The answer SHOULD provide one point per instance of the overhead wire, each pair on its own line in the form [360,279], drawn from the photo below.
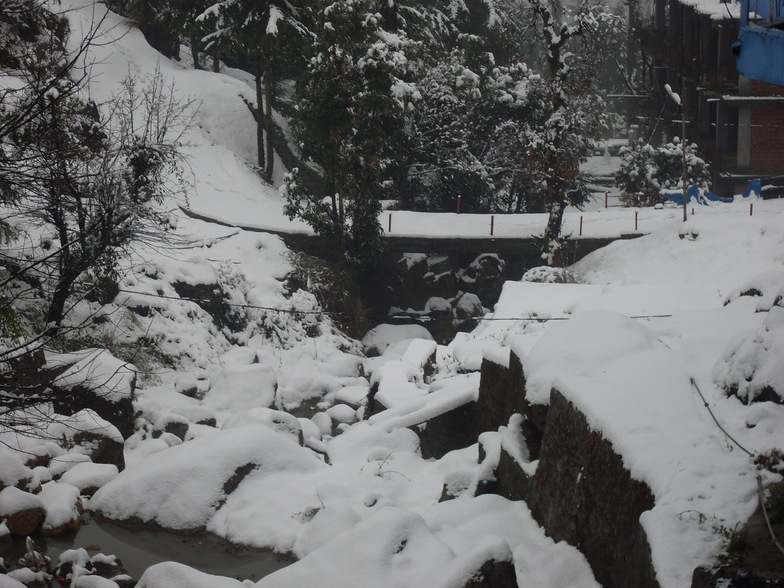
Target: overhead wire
[532,318]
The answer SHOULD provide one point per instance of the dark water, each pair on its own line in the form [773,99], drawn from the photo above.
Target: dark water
[139,549]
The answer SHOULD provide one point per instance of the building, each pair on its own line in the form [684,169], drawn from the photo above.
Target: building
[737,122]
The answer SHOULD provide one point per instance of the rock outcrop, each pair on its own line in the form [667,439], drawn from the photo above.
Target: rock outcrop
[581,492]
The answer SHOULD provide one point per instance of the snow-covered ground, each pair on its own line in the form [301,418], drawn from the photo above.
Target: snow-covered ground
[352,498]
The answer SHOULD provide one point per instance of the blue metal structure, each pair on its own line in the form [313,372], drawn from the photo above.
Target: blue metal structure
[760,45]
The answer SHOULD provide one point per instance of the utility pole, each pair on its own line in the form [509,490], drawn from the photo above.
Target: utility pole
[683,144]
[681,103]
[683,147]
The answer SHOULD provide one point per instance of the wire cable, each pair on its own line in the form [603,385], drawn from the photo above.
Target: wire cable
[531,318]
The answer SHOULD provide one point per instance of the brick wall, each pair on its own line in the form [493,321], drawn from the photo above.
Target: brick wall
[765,89]
[767,144]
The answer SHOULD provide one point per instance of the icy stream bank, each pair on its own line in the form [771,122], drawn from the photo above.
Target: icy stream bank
[139,549]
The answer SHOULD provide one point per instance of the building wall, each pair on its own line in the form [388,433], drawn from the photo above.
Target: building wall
[742,139]
[767,127]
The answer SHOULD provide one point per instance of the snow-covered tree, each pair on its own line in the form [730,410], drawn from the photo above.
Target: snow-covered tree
[92,180]
[647,170]
[350,121]
[468,131]
[255,29]
[570,42]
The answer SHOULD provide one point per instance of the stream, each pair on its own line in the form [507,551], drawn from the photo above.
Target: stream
[139,549]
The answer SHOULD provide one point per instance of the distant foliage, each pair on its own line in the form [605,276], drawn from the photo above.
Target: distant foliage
[550,275]
[646,169]
[470,130]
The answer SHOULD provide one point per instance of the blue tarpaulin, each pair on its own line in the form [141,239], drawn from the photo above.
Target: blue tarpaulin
[754,187]
[695,194]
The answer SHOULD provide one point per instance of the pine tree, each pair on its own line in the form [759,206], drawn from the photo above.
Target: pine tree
[350,122]
[254,29]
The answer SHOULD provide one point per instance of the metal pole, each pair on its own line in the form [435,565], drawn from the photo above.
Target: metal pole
[459,198]
[581,226]
[389,230]
[492,223]
[635,220]
[683,143]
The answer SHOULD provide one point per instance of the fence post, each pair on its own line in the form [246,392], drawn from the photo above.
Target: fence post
[459,198]
[581,225]
[606,199]
[751,209]
[635,220]
[389,230]
[492,224]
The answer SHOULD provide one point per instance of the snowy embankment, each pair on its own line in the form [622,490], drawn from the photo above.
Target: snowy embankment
[638,381]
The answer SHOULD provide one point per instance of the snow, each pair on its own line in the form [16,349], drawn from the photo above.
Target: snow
[454,393]
[13,500]
[385,335]
[12,468]
[651,315]
[395,548]
[27,577]
[93,582]
[7,581]
[98,370]
[352,395]
[174,575]
[751,364]
[84,421]
[89,475]
[60,501]
[182,487]
[582,346]
[62,463]
[249,385]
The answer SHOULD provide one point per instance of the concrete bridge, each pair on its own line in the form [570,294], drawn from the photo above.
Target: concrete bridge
[415,269]
[523,251]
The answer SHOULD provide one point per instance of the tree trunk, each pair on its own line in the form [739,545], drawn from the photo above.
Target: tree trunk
[257,74]
[268,94]
[195,52]
[342,228]
[216,61]
[552,234]
[56,312]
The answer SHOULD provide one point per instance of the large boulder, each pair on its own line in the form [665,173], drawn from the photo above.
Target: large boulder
[63,508]
[86,432]
[23,512]
[97,380]
[484,276]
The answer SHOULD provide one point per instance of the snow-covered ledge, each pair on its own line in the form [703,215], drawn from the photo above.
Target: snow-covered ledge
[627,439]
